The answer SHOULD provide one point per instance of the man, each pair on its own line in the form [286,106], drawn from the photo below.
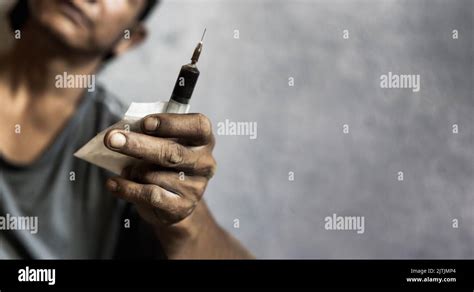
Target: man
[83,212]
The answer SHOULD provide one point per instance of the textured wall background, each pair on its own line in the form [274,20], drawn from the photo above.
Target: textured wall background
[300,127]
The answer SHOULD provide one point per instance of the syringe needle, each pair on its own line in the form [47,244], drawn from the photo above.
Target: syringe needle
[202,38]
[197,51]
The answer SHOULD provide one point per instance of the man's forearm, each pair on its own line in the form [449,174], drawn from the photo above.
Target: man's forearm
[200,237]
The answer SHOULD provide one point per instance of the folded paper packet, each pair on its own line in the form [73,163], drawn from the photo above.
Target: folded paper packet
[95,151]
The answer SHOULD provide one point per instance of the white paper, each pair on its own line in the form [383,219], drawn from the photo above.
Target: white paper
[95,151]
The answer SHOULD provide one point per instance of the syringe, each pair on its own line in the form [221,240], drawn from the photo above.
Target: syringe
[184,87]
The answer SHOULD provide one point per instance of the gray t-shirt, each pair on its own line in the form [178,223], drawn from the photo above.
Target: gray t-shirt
[76,217]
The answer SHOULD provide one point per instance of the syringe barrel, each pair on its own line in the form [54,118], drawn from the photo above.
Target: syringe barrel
[184,86]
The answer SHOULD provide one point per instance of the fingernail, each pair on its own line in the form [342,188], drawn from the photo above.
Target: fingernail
[117,140]
[150,124]
[112,185]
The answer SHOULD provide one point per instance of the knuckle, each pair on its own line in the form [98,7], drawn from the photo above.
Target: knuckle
[179,216]
[171,154]
[176,213]
[210,168]
[204,124]
[198,191]
[133,192]
[186,209]
[154,195]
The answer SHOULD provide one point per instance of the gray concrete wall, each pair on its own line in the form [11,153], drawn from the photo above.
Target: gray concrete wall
[300,127]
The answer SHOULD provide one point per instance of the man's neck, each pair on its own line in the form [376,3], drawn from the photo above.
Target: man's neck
[32,65]
[30,97]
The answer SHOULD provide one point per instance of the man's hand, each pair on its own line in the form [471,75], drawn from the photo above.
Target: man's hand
[169,182]
[176,165]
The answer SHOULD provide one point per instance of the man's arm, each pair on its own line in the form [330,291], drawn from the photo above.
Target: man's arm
[168,184]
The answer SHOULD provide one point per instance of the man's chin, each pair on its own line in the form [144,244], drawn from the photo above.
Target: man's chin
[66,33]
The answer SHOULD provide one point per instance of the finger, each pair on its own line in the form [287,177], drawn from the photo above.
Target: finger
[193,128]
[156,150]
[190,187]
[171,206]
